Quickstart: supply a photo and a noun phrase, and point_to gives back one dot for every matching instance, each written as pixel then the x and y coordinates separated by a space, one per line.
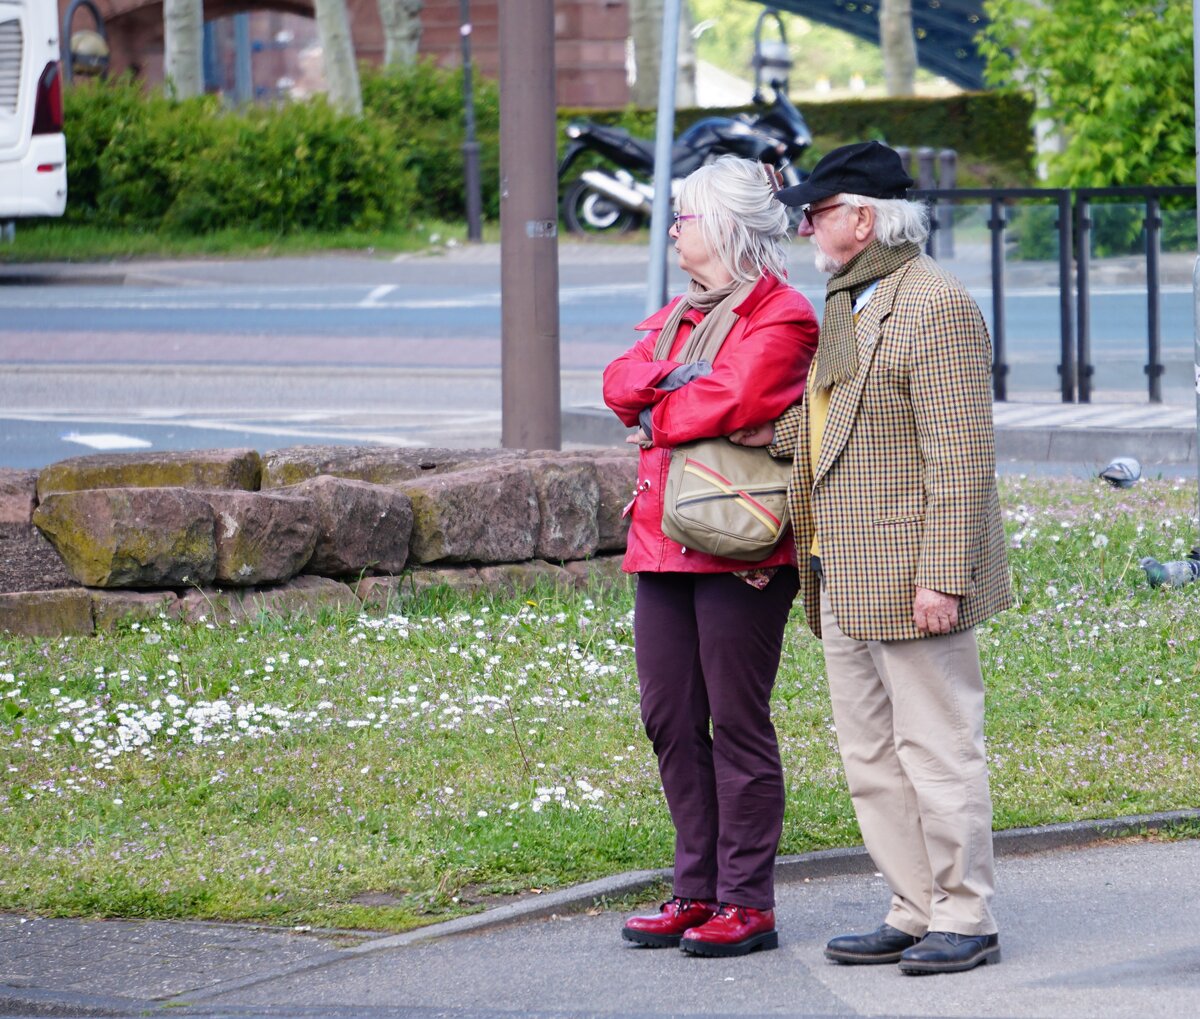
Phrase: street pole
pixel 664 138
pixel 1196 266
pixel 531 415
pixel 470 145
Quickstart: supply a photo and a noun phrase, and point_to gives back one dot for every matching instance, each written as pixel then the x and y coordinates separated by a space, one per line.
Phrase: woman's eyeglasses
pixel 680 219
pixel 810 212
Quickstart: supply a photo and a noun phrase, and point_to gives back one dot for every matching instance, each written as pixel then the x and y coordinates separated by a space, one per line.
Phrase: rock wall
pixel 225 534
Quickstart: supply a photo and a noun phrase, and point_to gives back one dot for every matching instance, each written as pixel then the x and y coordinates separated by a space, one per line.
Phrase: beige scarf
pixel 837 349
pixel 719 317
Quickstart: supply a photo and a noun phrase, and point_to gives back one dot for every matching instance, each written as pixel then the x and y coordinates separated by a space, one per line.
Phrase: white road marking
pixel 106 441
pixel 377 294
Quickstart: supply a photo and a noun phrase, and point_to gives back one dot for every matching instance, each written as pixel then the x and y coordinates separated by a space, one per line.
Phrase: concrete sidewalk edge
pixel 803 866
pixel 820 863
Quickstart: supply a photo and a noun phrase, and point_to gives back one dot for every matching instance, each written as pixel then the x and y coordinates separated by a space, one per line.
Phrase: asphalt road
pixel 358 349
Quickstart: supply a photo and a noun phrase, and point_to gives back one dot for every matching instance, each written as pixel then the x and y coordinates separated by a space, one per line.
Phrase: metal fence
pixel 1073 225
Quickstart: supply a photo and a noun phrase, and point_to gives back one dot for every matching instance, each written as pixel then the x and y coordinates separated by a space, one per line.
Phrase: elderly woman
pixel 708 631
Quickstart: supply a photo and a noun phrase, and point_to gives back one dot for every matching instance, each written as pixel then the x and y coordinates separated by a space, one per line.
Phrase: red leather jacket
pixel 757 374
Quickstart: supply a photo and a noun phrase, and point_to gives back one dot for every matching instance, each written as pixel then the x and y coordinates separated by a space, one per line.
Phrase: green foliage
pixel 1115 76
pixel 982 127
pixel 423 104
pixel 301 164
pixel 141 167
pixel 144 161
pixel 989 130
pixel 94 112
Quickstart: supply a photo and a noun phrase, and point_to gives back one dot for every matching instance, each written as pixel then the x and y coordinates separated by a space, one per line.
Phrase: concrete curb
pixel 822 863
pixel 1091 446
pixel 825 863
pixel 801 867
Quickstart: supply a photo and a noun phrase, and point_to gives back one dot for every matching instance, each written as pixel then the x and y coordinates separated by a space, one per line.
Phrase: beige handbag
pixel 725 499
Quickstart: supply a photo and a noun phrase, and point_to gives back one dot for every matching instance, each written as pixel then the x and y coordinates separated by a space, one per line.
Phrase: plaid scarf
pixel 837 349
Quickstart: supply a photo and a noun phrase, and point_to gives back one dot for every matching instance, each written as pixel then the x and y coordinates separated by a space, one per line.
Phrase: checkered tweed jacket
pixel 905 491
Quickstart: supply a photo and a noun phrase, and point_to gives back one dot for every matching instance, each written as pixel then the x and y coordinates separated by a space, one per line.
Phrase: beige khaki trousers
pixel 909 718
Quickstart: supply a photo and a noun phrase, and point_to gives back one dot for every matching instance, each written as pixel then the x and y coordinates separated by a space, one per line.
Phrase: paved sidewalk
pixel 1091 926
pixel 1035 436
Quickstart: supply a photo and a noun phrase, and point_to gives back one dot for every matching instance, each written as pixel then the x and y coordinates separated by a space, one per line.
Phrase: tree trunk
pixel 645 23
pixel 337 48
pixel 183 35
pixel 899 46
pixel 401 30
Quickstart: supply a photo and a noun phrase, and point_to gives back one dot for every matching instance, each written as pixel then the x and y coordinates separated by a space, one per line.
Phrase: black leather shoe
pixel 941 952
pixel 883 945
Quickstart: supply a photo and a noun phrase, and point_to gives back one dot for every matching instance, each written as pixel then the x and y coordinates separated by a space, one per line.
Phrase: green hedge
pixel 143 161
pixel 988 129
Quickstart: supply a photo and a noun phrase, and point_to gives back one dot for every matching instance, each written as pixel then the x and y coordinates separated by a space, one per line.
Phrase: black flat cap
pixel 865 168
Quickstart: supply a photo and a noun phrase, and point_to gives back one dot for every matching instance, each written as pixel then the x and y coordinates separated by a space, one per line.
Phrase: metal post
pixel 1154 365
pixel 529 357
pixel 947 181
pixel 243 71
pixel 1067 367
pixel 470 145
pixel 1196 267
pixel 999 367
pixel 926 182
pixel 1083 261
pixel 664 138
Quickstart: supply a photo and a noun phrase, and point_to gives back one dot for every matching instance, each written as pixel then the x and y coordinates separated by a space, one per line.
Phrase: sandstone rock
pixel 110 608
pixel 381 594
pixel 489 514
pixel 361 528
pixel 461 579
pixel 262 537
pixel 131 537
pixel 522 578
pixel 212 468
pixel 302 596
pixel 46 613
pixel 380 465
pixel 18 495
pixel 568 495
pixel 602 573
pixel 28 562
pixel 386 594
pixel 617 476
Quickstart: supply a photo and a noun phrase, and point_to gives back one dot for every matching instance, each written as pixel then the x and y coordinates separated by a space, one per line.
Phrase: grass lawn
pixel 48 240
pixel 384 772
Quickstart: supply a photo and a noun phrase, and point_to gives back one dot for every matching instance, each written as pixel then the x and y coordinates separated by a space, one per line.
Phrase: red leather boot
pixel 734 930
pixel 664 928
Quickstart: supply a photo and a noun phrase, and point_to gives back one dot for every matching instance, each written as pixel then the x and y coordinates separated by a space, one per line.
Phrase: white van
pixel 33 151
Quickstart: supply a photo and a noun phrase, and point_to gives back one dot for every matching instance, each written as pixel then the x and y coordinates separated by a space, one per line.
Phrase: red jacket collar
pixel 766 284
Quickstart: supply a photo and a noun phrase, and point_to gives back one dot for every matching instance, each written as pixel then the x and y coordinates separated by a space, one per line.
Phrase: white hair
pixel 742 223
pixel 897 220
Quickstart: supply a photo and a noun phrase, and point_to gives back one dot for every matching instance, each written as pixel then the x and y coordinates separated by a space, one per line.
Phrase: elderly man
pixel 894 500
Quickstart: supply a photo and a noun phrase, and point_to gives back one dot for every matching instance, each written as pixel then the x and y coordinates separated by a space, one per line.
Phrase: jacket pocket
pixel 905 518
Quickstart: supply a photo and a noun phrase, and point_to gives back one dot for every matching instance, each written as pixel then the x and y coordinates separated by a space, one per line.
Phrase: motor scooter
pixel 618 194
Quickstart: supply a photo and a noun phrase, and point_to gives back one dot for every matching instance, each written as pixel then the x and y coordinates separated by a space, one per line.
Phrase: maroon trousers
pixel 708 647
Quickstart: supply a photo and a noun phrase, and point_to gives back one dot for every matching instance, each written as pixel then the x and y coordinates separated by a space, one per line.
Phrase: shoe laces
pixel 729 909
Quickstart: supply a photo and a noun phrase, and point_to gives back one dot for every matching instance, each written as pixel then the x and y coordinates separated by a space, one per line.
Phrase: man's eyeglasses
pixel 810 212
pixel 681 219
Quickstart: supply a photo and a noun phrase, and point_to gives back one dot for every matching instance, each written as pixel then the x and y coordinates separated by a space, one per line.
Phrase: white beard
pixel 825 263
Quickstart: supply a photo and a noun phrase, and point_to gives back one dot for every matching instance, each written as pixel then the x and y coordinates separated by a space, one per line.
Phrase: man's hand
pixel 763 435
pixel 640 438
pixel 934 612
